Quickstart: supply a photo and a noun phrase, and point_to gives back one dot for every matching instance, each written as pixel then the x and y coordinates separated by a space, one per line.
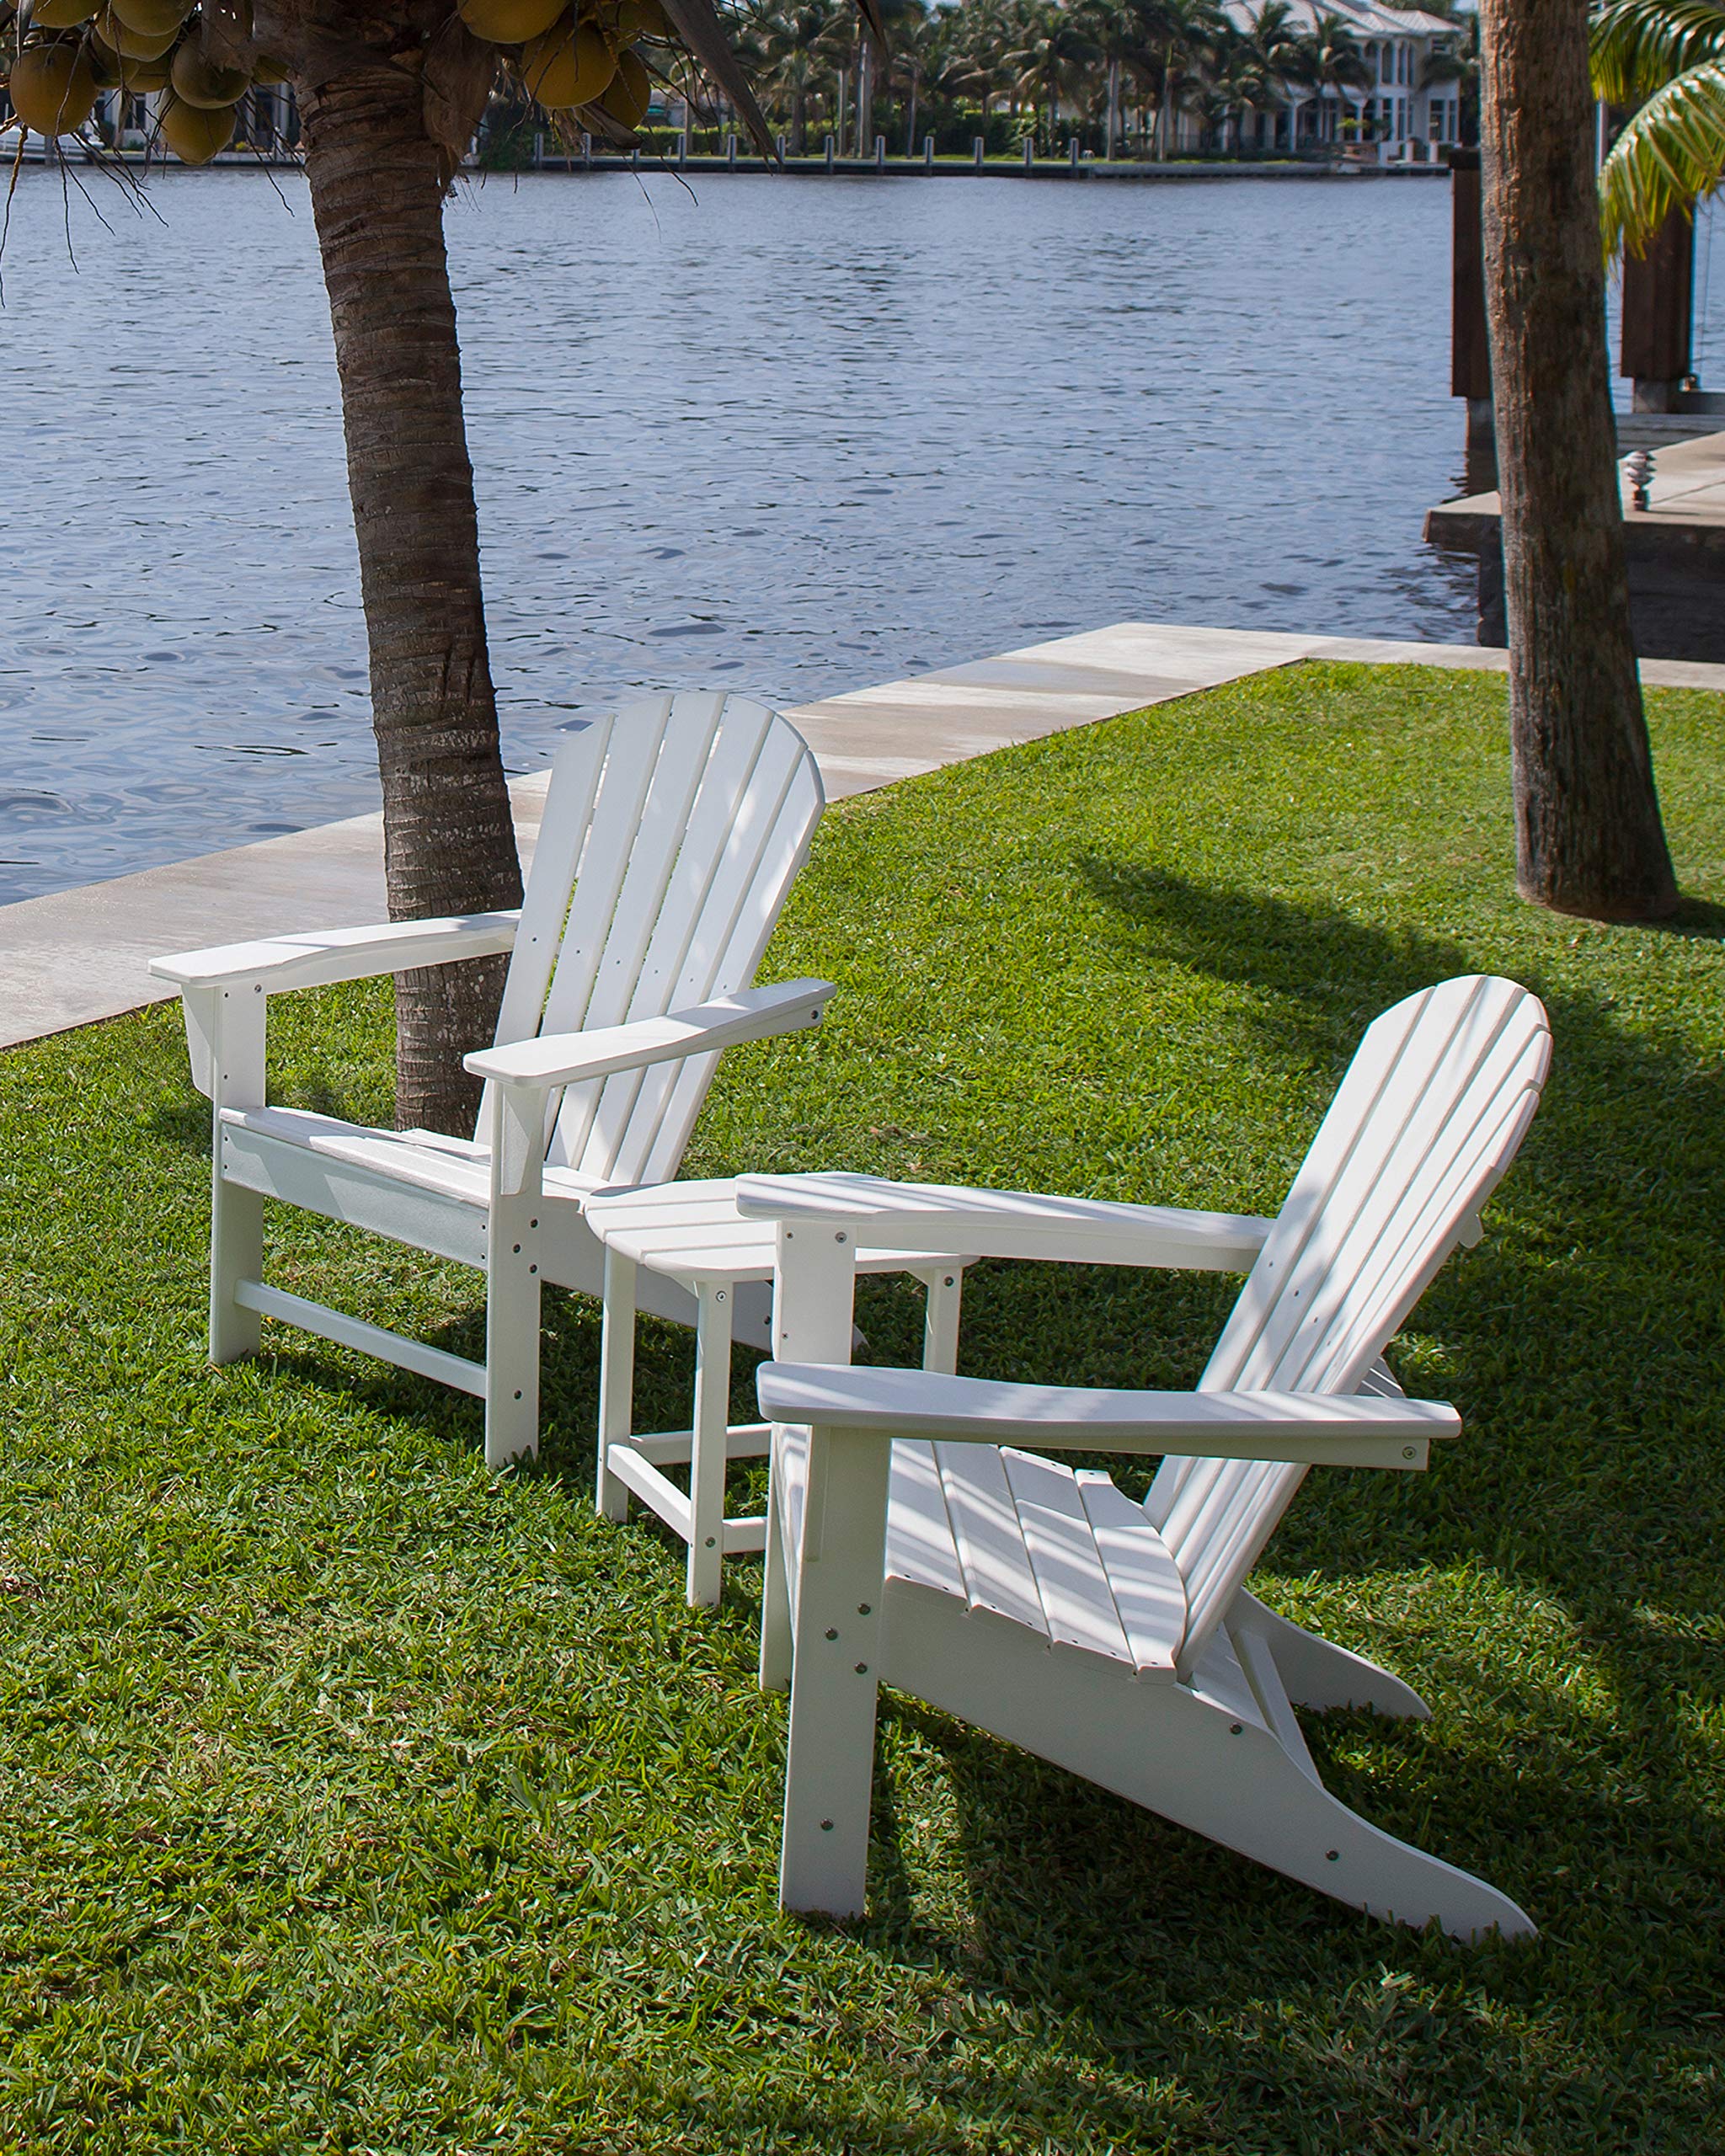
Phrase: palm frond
pixel 1637 46
pixel 1671 151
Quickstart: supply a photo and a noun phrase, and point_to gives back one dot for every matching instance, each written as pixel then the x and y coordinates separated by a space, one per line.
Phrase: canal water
pixel 789 436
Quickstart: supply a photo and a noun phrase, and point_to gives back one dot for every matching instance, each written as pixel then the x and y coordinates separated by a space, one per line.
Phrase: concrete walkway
pixel 81 955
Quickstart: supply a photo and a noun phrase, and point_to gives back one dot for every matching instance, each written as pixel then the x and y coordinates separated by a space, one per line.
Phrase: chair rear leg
pixel 236 1254
pixel 1276 1813
pixel 617 1382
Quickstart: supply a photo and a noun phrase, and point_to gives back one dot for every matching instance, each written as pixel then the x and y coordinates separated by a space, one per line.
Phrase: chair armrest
pixel 1319 1429
pixel 320 956
pixel 1009 1223
pixel 752 1014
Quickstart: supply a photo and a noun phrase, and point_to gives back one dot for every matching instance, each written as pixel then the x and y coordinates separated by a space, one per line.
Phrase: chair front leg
pixel 830 1767
pixel 940 1321
pixel 227 1030
pixel 841 1564
pixel 512 1282
pixel 709 1443
pixel 617 1382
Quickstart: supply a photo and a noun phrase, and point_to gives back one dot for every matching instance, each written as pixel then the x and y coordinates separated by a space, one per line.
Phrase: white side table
pixel 692 1233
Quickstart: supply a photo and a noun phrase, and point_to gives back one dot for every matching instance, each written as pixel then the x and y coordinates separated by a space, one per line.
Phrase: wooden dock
pixel 1676 550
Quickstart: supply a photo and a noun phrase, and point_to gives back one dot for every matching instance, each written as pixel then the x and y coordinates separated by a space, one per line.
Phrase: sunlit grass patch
pixel 352 1800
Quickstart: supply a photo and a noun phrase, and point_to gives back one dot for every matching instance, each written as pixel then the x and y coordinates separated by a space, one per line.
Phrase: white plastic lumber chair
pixel 910 1542
pixel 670 836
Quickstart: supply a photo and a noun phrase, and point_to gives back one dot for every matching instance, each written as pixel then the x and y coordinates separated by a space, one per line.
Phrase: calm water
pixel 791 435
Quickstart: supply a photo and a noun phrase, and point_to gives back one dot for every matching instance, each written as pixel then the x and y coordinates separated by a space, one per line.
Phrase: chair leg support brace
pixel 829 1770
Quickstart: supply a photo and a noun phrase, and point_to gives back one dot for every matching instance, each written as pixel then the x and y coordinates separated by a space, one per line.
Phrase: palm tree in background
pixel 1180 36
pixel 783 46
pixel 1053 64
pixel 1331 59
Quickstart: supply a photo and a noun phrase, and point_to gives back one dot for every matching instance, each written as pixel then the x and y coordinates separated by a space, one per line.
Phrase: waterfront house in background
pixel 1401 114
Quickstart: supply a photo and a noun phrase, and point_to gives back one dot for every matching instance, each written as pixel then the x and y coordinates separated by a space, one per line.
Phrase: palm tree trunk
pixel 1112 121
pixel 1589 837
pixel 449 843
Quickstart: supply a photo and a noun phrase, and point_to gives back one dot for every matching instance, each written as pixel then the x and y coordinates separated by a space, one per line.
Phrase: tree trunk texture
pixel 377 183
pixel 1588 838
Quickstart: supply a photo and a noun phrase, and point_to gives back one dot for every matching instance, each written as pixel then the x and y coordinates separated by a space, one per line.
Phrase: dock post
pixel 880 153
pixel 928 151
pixel 779 144
pixel 682 148
pixel 730 151
pixel 1072 151
pixel 829 154
pixel 976 147
pixel 1469 351
pixel 538 149
pixel 1029 151
pixel 1658 316
pixel 587 151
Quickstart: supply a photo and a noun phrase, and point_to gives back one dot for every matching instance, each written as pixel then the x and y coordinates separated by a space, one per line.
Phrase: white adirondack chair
pixel 1119 1640
pixel 670 836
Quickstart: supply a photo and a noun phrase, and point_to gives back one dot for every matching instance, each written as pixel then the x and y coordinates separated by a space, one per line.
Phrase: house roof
pixel 1366 18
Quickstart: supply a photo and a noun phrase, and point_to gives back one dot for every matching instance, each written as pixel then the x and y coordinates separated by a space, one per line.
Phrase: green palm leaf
pixel 1637 46
pixel 1671 151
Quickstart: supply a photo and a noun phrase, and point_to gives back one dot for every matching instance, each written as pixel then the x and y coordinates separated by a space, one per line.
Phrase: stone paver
pixel 81 955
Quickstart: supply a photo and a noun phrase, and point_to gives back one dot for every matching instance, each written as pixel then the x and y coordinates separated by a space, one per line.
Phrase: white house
pixel 1403 113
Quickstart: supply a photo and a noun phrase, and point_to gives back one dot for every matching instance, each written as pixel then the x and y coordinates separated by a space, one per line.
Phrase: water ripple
pixel 801 435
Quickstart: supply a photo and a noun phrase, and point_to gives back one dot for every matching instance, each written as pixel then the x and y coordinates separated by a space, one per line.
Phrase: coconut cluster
pixel 69 51
pixel 576 59
pixel 571 59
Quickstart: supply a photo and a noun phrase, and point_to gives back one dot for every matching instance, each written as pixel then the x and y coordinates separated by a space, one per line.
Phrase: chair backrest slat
pixel 1421 1130
pixel 594 1117
pixel 712 939
pixel 563 827
pixel 671 834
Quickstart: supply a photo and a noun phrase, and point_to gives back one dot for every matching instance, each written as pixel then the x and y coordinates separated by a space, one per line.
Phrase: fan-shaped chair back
pixel 1426 1121
pixel 671 832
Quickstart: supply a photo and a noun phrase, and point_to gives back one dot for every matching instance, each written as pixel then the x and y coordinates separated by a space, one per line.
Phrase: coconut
pixel 195 132
pixel 568 67
pixel 53 87
pixel 105 64
pixel 61 14
pixel 130 44
pixel 151 18
pixel 509 21
pixel 143 76
pixel 630 92
pixel 200 82
pixel 642 18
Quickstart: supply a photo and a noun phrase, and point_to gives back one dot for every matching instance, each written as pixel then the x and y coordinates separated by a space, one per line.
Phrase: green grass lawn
pixel 354 1801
